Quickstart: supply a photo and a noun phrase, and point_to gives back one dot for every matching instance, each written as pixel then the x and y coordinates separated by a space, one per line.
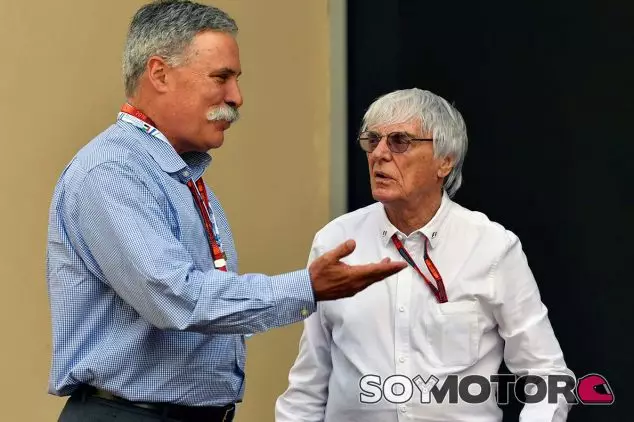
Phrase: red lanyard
pixel 200 198
pixel 133 111
pixel 439 291
pixel 218 256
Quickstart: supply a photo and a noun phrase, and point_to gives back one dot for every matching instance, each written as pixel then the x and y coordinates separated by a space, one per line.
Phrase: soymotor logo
pixel 591 389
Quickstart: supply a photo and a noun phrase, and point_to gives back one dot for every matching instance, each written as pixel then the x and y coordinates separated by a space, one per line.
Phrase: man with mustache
pixel 148 310
pixel 466 301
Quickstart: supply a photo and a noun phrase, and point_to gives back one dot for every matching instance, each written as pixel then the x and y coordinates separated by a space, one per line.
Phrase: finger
pixel 377 276
pixel 377 271
pixel 344 249
pixel 385 260
pixel 390 268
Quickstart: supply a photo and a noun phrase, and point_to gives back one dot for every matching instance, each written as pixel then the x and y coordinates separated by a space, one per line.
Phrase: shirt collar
pixel 433 230
pixel 186 166
pixel 197 162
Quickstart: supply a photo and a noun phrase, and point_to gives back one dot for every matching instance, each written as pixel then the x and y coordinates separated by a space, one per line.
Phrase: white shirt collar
pixel 432 230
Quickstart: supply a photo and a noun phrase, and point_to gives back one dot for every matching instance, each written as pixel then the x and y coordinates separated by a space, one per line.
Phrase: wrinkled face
pixel 206 83
pixel 405 177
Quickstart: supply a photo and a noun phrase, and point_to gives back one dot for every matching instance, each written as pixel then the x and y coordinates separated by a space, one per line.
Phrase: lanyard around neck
pixel 439 291
pixel 198 190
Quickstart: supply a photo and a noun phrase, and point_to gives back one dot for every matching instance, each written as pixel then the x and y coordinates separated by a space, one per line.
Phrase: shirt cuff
pixel 293 294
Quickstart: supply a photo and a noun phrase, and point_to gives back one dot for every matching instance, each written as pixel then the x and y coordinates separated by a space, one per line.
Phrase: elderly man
pixel 467 299
pixel 149 311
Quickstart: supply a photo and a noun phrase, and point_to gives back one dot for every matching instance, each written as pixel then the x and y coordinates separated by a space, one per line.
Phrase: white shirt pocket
pixel 453 327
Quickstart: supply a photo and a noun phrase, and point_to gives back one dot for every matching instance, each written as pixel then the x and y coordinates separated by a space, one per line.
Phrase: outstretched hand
pixel 333 279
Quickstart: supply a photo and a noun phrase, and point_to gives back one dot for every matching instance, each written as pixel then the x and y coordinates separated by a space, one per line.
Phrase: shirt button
pixel 403 409
pixel 401 309
pixel 304 312
pixel 401 359
pixel 186 173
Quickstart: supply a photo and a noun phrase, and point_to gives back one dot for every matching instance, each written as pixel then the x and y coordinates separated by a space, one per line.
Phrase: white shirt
pixel 397 326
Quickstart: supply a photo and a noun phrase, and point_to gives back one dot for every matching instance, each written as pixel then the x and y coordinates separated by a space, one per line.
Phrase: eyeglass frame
pixel 409 138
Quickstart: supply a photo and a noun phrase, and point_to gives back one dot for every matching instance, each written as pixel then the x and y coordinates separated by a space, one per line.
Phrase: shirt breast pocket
pixel 454 333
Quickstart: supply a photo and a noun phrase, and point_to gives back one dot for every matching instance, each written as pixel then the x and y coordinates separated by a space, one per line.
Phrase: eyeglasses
pixel 397 142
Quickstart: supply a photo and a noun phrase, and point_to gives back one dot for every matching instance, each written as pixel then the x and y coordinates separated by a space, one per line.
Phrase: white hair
pixel 166 28
pixel 435 115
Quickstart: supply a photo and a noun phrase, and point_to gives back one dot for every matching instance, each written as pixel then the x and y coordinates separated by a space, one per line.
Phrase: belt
pixel 206 413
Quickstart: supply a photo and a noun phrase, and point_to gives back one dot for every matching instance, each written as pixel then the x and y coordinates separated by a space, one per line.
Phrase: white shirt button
pixel 403 409
pixel 186 173
pixel 401 309
pixel 401 359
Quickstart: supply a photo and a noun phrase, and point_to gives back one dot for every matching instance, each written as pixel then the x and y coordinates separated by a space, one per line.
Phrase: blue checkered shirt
pixel 137 307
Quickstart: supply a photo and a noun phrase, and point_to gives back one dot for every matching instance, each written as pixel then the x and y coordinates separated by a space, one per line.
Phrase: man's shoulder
pixel 464 222
pixel 346 225
pixel 467 220
pixel 112 147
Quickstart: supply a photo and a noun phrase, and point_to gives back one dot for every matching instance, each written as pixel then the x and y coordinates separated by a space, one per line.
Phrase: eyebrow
pixel 376 132
pixel 226 71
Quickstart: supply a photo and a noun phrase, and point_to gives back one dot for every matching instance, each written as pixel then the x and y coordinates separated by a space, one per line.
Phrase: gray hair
pixel 435 115
pixel 166 28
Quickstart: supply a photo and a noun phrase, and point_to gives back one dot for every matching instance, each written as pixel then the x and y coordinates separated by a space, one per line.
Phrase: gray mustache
pixel 224 112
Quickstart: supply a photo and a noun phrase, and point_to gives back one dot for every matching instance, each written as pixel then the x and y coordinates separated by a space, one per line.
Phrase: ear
pixel 446 165
pixel 157 70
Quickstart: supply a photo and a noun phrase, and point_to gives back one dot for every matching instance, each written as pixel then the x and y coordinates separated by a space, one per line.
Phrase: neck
pixel 412 215
pixel 141 106
pixel 154 115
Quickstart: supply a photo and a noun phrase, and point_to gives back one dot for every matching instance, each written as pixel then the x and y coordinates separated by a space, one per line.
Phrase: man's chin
pixel 216 143
pixel 383 195
pixel 215 139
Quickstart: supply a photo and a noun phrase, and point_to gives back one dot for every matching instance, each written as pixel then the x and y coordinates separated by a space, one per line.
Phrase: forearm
pixel 171 295
pixel 251 303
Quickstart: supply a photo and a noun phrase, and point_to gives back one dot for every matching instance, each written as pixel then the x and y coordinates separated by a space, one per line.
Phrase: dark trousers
pixel 83 407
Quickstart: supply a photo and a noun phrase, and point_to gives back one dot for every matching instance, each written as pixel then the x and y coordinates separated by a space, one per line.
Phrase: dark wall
pixel 546 90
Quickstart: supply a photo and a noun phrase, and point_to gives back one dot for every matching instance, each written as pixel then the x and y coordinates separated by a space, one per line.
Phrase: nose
pixel 382 151
pixel 233 96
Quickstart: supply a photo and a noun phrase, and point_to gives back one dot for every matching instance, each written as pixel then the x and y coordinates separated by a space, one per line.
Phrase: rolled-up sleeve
pixel 129 243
